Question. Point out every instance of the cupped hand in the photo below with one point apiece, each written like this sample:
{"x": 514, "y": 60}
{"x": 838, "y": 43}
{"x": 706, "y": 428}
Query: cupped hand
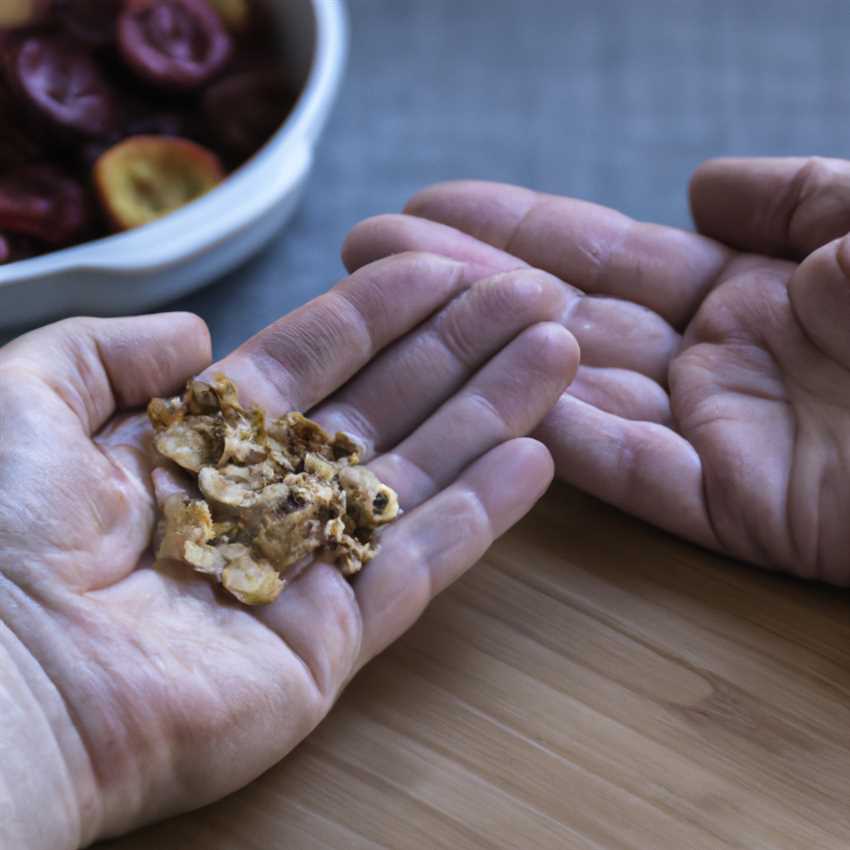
{"x": 130, "y": 692}
{"x": 714, "y": 394}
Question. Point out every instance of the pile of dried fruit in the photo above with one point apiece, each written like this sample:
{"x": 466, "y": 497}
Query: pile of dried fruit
{"x": 116, "y": 112}
{"x": 272, "y": 494}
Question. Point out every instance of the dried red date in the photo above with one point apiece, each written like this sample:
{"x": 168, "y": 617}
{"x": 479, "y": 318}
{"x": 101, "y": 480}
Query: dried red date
{"x": 18, "y": 146}
{"x": 177, "y": 44}
{"x": 14, "y": 248}
{"x": 139, "y": 122}
{"x": 244, "y": 110}
{"x": 90, "y": 21}
{"x": 145, "y": 119}
{"x": 62, "y": 85}
{"x": 22, "y": 13}
{"x": 42, "y": 202}
{"x": 236, "y": 14}
{"x": 115, "y": 112}
{"x": 147, "y": 177}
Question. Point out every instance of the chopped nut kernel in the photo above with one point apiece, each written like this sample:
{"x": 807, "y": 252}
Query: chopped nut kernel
{"x": 275, "y": 494}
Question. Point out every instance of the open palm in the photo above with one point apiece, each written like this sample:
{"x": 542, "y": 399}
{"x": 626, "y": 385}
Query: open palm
{"x": 714, "y": 393}
{"x": 138, "y": 692}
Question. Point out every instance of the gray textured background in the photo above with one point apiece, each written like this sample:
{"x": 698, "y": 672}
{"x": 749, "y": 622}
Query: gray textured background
{"x": 610, "y": 100}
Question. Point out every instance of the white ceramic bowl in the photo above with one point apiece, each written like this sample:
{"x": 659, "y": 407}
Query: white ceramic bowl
{"x": 136, "y": 271}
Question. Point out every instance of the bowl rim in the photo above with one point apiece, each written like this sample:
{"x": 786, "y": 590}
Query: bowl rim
{"x": 292, "y": 142}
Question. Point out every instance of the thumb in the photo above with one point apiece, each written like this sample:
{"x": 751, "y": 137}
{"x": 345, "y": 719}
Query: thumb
{"x": 99, "y": 366}
{"x": 785, "y": 207}
{"x": 820, "y": 297}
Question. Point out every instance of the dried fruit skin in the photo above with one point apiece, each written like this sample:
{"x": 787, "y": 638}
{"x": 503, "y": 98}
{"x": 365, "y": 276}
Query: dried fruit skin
{"x": 177, "y": 44}
{"x": 245, "y": 109}
{"x": 147, "y": 177}
{"x": 14, "y": 248}
{"x": 42, "y": 202}
{"x": 236, "y": 14}
{"x": 61, "y": 85}
{"x": 90, "y": 21}
{"x": 18, "y": 145}
{"x": 80, "y": 77}
{"x": 22, "y": 13}
{"x": 275, "y": 494}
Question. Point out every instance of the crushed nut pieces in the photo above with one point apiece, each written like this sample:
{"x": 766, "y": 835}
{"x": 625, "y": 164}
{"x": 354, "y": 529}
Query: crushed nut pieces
{"x": 272, "y": 494}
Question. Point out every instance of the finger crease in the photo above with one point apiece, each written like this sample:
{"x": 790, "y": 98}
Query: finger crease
{"x": 445, "y": 332}
{"x": 489, "y": 409}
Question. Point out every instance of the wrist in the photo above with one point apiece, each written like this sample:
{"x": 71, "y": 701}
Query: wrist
{"x": 48, "y": 795}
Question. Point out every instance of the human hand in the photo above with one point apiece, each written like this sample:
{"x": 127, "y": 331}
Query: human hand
{"x": 130, "y": 692}
{"x": 714, "y": 394}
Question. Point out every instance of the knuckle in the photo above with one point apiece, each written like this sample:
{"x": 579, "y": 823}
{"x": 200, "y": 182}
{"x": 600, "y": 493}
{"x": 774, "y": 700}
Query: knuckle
{"x": 518, "y": 295}
{"x": 195, "y": 325}
{"x": 424, "y": 197}
{"x": 471, "y": 514}
{"x": 815, "y": 173}
{"x": 816, "y": 205}
{"x": 457, "y": 335}
{"x": 489, "y": 411}
{"x": 76, "y": 326}
{"x": 552, "y": 347}
{"x": 414, "y": 260}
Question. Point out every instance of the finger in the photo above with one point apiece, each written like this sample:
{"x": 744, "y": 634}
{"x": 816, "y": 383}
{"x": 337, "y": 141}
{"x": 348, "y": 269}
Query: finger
{"x": 318, "y": 617}
{"x": 621, "y": 392}
{"x": 98, "y": 366}
{"x": 506, "y": 399}
{"x": 784, "y": 206}
{"x": 435, "y": 544}
{"x": 334, "y": 626}
{"x": 596, "y": 249}
{"x": 406, "y": 383}
{"x": 299, "y": 360}
{"x": 640, "y": 467}
{"x": 385, "y": 235}
{"x": 611, "y": 332}
{"x": 614, "y": 334}
{"x": 820, "y": 296}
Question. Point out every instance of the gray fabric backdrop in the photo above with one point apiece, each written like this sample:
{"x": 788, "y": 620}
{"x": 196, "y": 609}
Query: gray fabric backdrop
{"x": 610, "y": 100}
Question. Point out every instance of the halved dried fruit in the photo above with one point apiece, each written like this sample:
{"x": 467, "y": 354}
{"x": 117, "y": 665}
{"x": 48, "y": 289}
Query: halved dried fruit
{"x": 236, "y": 14}
{"x": 90, "y": 21}
{"x": 14, "y": 248}
{"x": 43, "y": 202}
{"x": 22, "y": 13}
{"x": 60, "y": 84}
{"x": 177, "y": 44}
{"x": 17, "y": 146}
{"x": 139, "y": 120}
{"x": 244, "y": 110}
{"x": 146, "y": 177}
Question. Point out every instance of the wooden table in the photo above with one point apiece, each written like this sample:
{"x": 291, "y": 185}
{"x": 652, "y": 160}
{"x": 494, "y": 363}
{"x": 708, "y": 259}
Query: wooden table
{"x": 593, "y": 684}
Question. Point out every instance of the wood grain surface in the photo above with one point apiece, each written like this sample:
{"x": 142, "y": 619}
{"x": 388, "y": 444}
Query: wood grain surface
{"x": 592, "y": 684}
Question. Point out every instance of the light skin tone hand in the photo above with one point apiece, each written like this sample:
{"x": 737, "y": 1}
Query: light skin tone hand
{"x": 714, "y": 394}
{"x": 138, "y": 692}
